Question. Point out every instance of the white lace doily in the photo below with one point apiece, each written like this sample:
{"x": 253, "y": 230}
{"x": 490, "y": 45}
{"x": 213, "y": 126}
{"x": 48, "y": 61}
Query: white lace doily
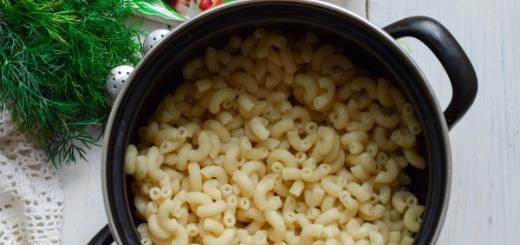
{"x": 31, "y": 197}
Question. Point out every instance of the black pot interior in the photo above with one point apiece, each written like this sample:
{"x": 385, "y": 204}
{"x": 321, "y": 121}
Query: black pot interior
{"x": 161, "y": 73}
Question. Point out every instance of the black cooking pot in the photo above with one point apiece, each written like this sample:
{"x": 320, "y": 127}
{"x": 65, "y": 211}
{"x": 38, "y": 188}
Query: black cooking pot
{"x": 372, "y": 48}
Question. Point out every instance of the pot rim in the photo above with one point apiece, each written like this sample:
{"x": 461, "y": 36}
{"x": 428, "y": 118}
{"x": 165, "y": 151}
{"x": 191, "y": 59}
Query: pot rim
{"x": 345, "y": 12}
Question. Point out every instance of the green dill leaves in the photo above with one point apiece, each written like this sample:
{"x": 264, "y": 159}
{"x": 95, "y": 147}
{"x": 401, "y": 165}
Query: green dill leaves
{"x": 54, "y": 57}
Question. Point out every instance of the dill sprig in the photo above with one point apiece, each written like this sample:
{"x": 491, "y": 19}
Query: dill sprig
{"x": 54, "y": 56}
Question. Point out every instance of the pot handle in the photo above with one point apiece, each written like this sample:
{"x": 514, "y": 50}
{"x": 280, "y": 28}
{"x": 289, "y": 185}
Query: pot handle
{"x": 103, "y": 237}
{"x": 450, "y": 54}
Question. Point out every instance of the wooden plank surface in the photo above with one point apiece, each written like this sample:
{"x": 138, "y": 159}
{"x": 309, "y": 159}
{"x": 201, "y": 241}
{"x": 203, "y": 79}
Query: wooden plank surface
{"x": 485, "y": 200}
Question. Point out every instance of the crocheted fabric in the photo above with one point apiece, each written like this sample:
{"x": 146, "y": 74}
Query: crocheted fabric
{"x": 31, "y": 197}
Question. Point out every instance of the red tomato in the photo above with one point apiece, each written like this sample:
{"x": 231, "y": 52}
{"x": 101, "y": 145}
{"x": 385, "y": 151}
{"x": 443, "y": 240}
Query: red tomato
{"x": 205, "y": 4}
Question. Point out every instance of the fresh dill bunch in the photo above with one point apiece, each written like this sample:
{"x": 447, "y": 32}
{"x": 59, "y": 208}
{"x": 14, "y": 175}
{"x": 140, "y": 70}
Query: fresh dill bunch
{"x": 54, "y": 57}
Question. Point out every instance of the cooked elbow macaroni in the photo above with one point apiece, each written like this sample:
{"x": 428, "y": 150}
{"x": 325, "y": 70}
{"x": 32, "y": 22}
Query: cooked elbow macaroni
{"x": 274, "y": 140}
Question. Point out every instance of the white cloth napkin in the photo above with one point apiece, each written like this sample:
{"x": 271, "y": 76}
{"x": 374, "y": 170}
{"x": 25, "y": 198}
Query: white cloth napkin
{"x": 31, "y": 198}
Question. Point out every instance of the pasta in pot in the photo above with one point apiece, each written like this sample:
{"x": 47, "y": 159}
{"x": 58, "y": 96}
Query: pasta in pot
{"x": 274, "y": 140}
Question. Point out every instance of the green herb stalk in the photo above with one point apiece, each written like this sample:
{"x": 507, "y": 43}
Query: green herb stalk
{"x": 54, "y": 57}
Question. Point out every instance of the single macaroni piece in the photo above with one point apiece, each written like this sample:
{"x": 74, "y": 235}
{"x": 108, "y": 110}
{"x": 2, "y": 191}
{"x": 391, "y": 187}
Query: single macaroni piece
{"x": 391, "y": 173}
{"x": 335, "y": 65}
{"x": 309, "y": 86}
{"x": 192, "y": 230}
{"x": 144, "y": 234}
{"x": 248, "y": 44}
{"x": 356, "y": 229}
{"x": 281, "y": 127}
{"x": 268, "y": 41}
{"x": 303, "y": 52}
{"x": 383, "y": 92}
{"x": 365, "y": 124}
{"x": 403, "y": 138}
{"x": 277, "y": 139}
{"x": 154, "y": 161}
{"x": 371, "y": 212}
{"x": 130, "y": 159}
{"x": 216, "y": 172}
{"x": 204, "y": 147}
{"x": 195, "y": 199}
{"x": 314, "y": 197}
{"x": 299, "y": 144}
{"x": 247, "y": 150}
{"x": 384, "y": 193}
{"x": 382, "y": 141}
{"x": 210, "y": 187}
{"x": 194, "y": 65}
{"x": 408, "y": 117}
{"x": 243, "y": 181}
{"x": 239, "y": 62}
{"x": 399, "y": 200}
{"x": 245, "y": 80}
{"x": 244, "y": 203}
{"x": 310, "y": 175}
{"x": 225, "y": 238}
{"x": 360, "y": 192}
{"x": 260, "y": 195}
{"x": 414, "y": 159}
{"x": 231, "y": 160}
{"x": 291, "y": 173}
{"x": 260, "y": 69}
{"x": 327, "y": 217}
{"x": 412, "y": 218}
{"x": 283, "y": 156}
{"x": 275, "y": 219}
{"x": 339, "y": 116}
{"x": 288, "y": 60}
{"x": 354, "y": 142}
{"x": 367, "y": 84}
{"x": 312, "y": 213}
{"x": 211, "y": 209}
{"x": 275, "y": 72}
{"x": 195, "y": 176}
{"x": 213, "y": 226}
{"x": 258, "y": 127}
{"x": 218, "y": 128}
{"x": 221, "y": 95}
{"x": 386, "y": 121}
{"x": 246, "y": 102}
{"x": 203, "y": 85}
{"x": 330, "y": 186}
{"x": 327, "y": 84}
{"x": 328, "y": 203}
{"x": 320, "y": 55}
{"x": 326, "y": 140}
{"x": 216, "y": 145}
{"x": 251, "y": 214}
{"x": 211, "y": 60}
{"x": 254, "y": 167}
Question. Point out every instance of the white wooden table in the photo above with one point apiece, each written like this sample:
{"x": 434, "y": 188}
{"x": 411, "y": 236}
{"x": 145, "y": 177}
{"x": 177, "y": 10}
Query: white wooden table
{"x": 485, "y": 197}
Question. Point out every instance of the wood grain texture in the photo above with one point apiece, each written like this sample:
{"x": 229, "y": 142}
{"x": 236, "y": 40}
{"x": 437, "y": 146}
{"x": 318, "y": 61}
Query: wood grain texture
{"x": 84, "y": 211}
{"x": 485, "y": 200}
